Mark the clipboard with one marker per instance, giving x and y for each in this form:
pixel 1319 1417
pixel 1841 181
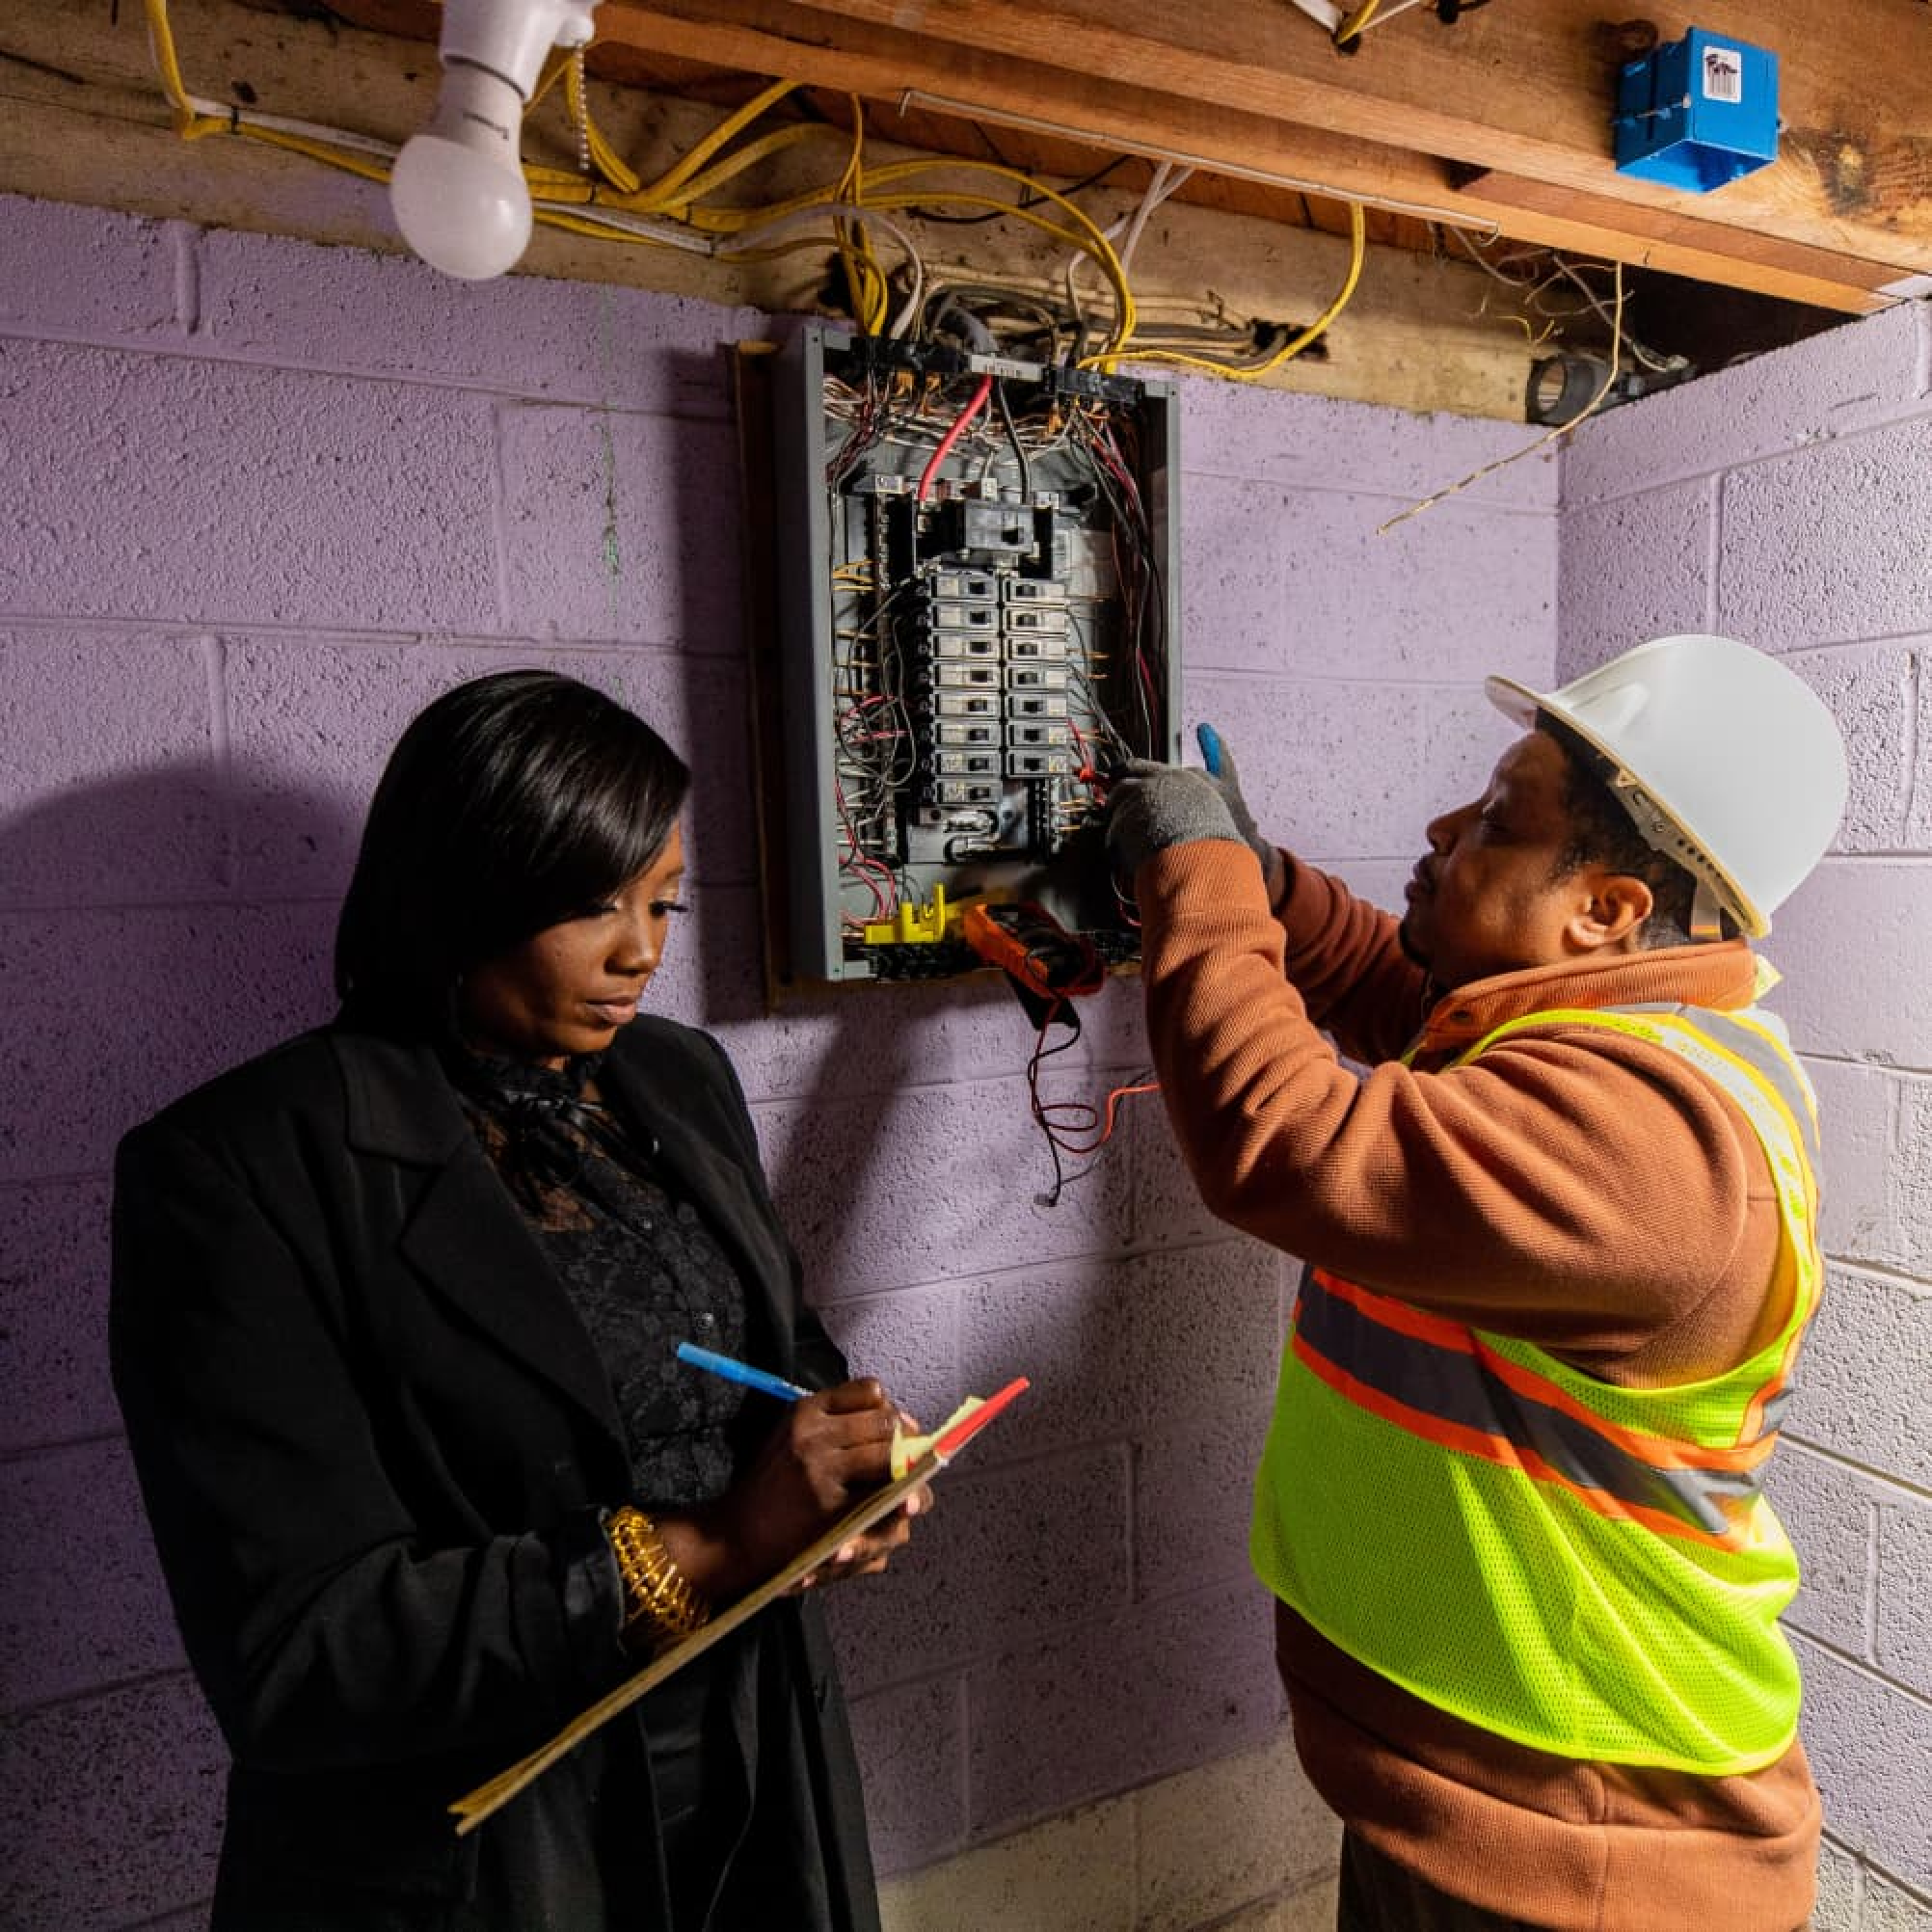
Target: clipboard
pixel 473 1806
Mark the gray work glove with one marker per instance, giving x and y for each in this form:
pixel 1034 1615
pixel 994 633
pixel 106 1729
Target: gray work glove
pixel 1150 807
pixel 1219 762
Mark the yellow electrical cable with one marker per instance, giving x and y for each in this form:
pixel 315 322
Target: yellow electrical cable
pixel 912 199
pixel 698 186
pixel 553 184
pixel 558 64
pixel 366 166
pixel 1357 21
pixel 1358 254
pixel 567 184
pixel 567 64
pixel 670 183
pixel 161 42
pixel 676 194
pixel 864 276
pixel 191 124
pixel 850 262
pixel 853 178
pixel 663 196
pixel 615 170
pixel 574 184
pixel 1088 239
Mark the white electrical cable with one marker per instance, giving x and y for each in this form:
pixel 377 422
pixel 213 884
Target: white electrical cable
pixel 1162 188
pixel 309 130
pixel 621 222
pixel 1529 295
pixel 1320 10
pixel 1167 177
pixel 799 217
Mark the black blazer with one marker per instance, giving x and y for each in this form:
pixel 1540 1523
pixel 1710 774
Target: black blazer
pixel 373 1439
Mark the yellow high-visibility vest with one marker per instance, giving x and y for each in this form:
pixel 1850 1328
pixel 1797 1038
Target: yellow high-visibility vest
pixel 1591 1570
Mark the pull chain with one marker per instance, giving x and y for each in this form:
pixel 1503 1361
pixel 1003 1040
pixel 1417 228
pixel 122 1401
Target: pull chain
pixel 582 79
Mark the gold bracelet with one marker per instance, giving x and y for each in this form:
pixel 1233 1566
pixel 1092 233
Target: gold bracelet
pixel 655 1588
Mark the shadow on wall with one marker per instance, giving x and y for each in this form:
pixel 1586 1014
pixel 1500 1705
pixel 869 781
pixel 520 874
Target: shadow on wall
pixel 137 969
pixel 134 969
pixel 134 973
pixel 825 1201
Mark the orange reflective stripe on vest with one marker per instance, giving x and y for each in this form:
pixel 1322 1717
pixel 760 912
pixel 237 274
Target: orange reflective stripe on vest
pixel 1438 1380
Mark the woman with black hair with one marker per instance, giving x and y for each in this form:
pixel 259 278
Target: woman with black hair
pixel 393 1316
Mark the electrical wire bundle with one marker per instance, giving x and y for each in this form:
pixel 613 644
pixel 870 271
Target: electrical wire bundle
pixel 855 210
pixel 911 444
pixel 1073 1129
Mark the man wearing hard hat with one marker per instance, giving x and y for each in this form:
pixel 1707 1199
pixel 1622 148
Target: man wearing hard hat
pixel 1561 1249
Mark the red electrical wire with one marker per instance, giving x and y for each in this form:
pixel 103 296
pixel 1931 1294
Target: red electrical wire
pixel 1075 1128
pixel 1089 773
pixel 860 867
pixel 954 435
pixel 1063 1120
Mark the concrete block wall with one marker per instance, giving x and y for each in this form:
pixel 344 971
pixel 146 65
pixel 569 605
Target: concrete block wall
pixel 1788 502
pixel 259 502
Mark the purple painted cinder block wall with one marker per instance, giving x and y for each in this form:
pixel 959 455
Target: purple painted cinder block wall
pixel 259 502
pixel 1789 502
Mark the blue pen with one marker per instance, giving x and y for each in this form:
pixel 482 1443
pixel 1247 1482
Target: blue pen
pixel 732 1370
pixel 1210 743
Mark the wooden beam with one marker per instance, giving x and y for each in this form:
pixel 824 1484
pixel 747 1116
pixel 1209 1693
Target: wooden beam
pixel 1561 218
pixel 914 78
pixel 1523 89
pixel 1253 84
pixel 82 120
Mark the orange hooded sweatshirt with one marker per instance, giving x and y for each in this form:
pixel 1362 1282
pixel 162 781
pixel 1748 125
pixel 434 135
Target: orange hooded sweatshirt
pixel 1583 1191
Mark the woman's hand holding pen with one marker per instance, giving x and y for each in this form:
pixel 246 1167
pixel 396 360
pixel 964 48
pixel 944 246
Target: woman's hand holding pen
pixel 827 1450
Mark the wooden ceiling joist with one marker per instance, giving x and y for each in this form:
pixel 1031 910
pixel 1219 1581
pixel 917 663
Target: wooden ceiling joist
pixel 1501 120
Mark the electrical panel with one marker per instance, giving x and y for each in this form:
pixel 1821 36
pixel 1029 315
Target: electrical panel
pixel 977 607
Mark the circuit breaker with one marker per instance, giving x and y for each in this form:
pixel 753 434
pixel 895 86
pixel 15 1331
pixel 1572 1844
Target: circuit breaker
pixel 978 607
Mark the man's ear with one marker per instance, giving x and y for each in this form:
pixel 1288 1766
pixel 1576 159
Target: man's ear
pixel 1611 914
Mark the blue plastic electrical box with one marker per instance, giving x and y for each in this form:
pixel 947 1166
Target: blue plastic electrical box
pixel 1697 113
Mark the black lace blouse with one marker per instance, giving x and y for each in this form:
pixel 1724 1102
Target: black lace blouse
pixel 639 1266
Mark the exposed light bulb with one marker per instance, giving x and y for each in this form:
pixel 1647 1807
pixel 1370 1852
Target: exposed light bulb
pixel 458 188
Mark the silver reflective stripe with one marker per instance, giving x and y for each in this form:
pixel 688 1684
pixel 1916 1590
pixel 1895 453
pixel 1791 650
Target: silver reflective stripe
pixel 1749 1044
pixel 1462 1391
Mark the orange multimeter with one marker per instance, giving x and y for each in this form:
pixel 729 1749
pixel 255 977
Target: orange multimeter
pixel 1045 961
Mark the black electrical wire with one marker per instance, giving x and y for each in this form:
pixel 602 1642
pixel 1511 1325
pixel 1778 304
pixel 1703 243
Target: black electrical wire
pixel 1014 437
pixel 1062 1011
pixel 1027 200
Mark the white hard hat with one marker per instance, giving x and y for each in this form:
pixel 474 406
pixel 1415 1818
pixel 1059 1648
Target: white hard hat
pixel 1727 761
